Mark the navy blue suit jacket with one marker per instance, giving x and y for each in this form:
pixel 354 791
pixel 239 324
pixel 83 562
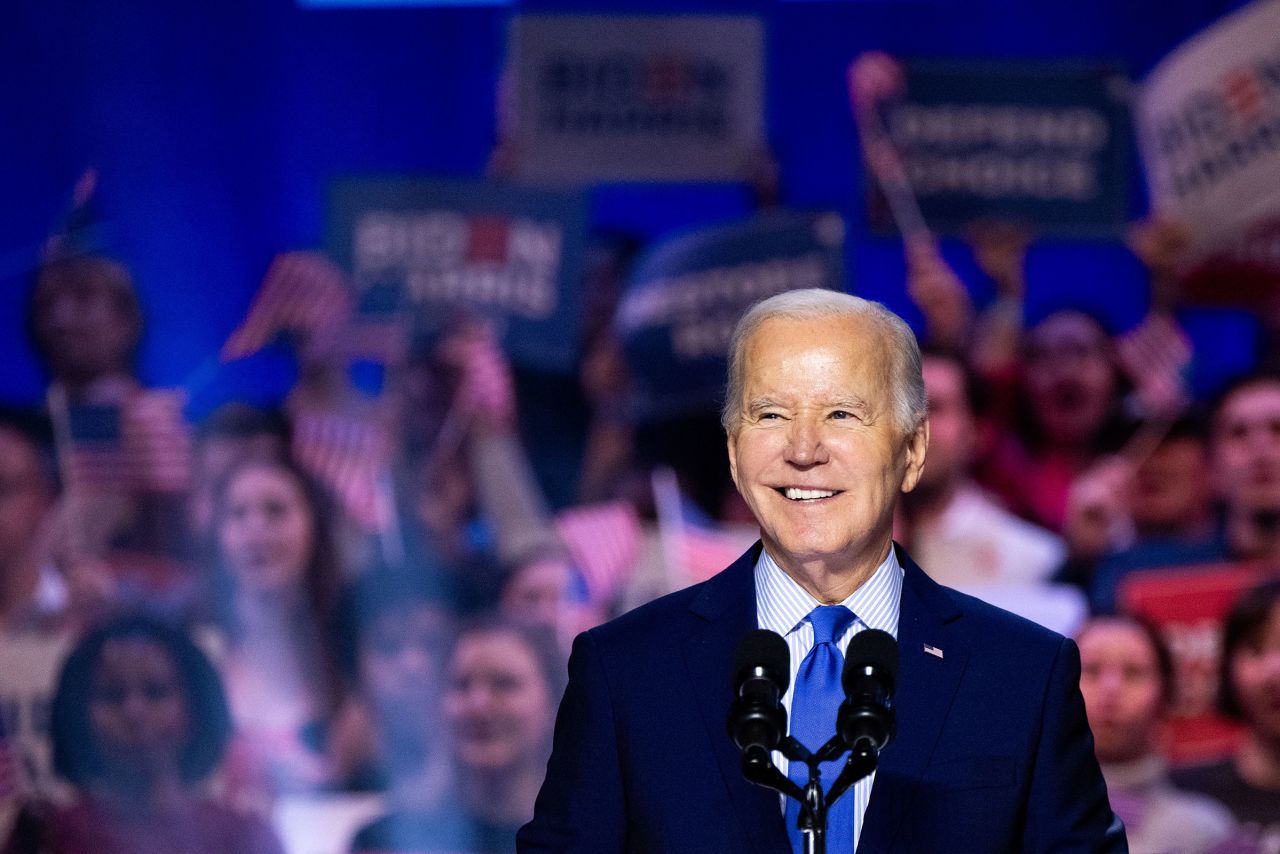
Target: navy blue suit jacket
pixel 992 751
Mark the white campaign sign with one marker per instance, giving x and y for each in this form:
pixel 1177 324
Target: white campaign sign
pixel 1209 128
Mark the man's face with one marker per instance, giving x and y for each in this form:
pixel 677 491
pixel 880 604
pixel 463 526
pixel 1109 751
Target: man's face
pixel 951 428
pixel 1246 448
pixel 1070 377
pixel 82 319
pixel 818 454
pixel 25 497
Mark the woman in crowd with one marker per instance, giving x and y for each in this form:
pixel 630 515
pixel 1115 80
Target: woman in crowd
pixel 139 719
pixel 275 599
pixel 502 687
pixel 1127 680
pixel 1249 692
pixel 1069 415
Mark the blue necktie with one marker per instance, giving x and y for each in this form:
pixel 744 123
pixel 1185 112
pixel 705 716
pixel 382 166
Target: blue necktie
pixel 813 720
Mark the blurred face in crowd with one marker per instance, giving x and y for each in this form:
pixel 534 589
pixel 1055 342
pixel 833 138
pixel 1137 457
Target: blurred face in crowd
pixel 1070 377
pixel 215 457
pixel 1123 692
pixel 267 531
pixel 402 656
pixel 498 705
pixel 818 453
pixel 1255 673
pixel 549 592
pixel 1246 448
pixel 25 496
pixel 1171 488
pixel 444 501
pixel 951 425
pixel 85 318
pixel 137 708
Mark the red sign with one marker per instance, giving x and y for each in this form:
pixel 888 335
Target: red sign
pixel 1189 605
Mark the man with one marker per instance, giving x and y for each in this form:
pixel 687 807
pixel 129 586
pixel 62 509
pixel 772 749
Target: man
pixel 960 535
pixel 1243 469
pixel 825 415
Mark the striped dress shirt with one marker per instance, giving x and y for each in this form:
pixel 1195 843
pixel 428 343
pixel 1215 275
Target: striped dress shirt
pixel 782 606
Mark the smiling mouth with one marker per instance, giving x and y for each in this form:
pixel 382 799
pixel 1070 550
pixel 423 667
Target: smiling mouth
pixel 792 493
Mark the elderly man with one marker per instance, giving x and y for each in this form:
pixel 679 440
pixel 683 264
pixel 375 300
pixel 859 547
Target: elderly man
pixel 825 415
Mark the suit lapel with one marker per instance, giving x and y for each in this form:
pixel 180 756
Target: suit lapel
pixel 926 686
pixel 727 606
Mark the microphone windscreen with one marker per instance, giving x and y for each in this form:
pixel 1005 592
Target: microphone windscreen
pixel 871 648
pixel 768 651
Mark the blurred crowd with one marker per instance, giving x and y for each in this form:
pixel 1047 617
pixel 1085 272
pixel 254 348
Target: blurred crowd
pixel 343 623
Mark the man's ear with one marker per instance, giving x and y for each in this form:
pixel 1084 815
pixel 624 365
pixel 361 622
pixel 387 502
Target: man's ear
pixel 732 445
pixel 917 443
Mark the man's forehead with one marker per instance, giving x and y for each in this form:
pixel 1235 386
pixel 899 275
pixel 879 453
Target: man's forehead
pixel 1251 402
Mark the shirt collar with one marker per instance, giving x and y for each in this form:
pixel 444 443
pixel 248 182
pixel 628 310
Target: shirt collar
pixel 782 604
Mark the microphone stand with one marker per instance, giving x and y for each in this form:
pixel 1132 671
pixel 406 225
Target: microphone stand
pixel 758 768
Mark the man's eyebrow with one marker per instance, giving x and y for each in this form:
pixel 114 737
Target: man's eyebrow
pixel 758 403
pixel 857 403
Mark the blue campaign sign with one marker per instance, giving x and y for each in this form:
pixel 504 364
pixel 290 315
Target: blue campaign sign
pixel 440 248
pixel 1042 143
pixel 686 294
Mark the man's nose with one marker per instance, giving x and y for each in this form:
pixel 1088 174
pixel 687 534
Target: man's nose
pixel 804 443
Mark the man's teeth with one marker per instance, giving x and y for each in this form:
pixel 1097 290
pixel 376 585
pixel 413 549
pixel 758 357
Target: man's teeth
pixel 806 494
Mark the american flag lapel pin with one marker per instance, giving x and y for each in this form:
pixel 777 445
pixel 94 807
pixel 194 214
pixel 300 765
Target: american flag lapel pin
pixel 933 650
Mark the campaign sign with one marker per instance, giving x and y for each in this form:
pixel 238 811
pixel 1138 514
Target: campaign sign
pixel 442 248
pixel 685 296
pixel 1209 128
pixel 1041 143
pixel 1188 606
pixel 592 98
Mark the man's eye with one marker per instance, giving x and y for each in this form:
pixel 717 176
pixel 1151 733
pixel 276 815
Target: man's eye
pixel 769 416
pixel 841 414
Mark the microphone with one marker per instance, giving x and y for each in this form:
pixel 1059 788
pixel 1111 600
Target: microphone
pixel 762 672
pixel 866 719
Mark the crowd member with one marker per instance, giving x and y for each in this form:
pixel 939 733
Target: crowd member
pixel 1069 414
pixel 1249 692
pixel 1244 470
pixel 1246 459
pixel 1126 676
pixel 34 596
pixel 547 590
pixel 502 685
pixel 473 490
pixel 275 597
pixel 1125 515
pixel 952 525
pixel 232 433
pixel 139 720
pixel 395 630
pixel 85 321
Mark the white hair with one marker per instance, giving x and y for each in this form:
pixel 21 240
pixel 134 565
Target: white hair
pixel 907 387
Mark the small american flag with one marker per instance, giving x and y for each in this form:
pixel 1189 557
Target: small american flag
pixel 933 650
pixel 1155 355
pixel 350 456
pixel 141 446
pixel 96 460
pixel 603 540
pixel 302 291
pixel 705 548
pixel 695 546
